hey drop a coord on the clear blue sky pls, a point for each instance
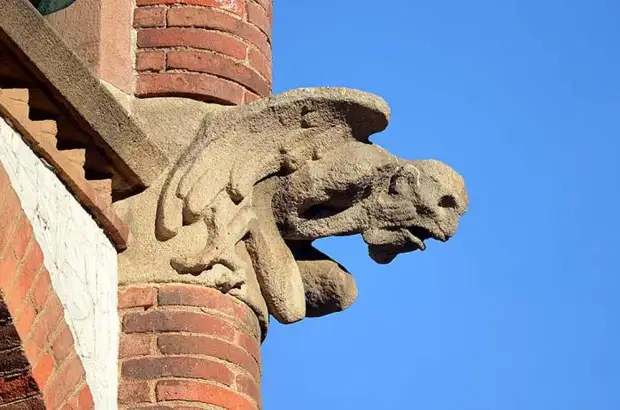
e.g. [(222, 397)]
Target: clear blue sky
[(520, 311)]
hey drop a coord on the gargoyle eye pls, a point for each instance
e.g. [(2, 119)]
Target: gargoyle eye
[(448, 201)]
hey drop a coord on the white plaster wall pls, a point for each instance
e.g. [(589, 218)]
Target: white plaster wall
[(79, 257)]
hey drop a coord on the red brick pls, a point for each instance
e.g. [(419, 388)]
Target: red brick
[(43, 370), (211, 63), (199, 296), (13, 362), (249, 97), (5, 314), (8, 268), (41, 289), (5, 186), (151, 61), (155, 368), (178, 321), (247, 385), (201, 345), (176, 406), (132, 393), (249, 343), (260, 63), (267, 5), (258, 16), (236, 6), (32, 403), (190, 37), (169, 390), (21, 237), (200, 86), (216, 20), (62, 343), (15, 388), (9, 338), (135, 345), (28, 271), (85, 398), (10, 214), (65, 381), (52, 311), (136, 297), (155, 2), (149, 17), (37, 341), (25, 320)]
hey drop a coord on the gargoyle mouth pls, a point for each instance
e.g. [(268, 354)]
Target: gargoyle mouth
[(387, 243), (417, 235)]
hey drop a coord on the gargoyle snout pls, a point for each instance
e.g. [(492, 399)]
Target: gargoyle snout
[(444, 197)]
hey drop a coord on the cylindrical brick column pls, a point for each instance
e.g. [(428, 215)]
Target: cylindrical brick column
[(211, 50), (184, 344)]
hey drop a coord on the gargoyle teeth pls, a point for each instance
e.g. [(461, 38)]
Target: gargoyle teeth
[(414, 239)]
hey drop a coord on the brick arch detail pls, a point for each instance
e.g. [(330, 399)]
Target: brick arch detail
[(39, 367)]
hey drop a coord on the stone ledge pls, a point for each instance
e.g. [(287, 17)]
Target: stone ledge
[(40, 48)]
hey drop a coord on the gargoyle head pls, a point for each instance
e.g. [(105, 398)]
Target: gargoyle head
[(424, 200), (362, 189)]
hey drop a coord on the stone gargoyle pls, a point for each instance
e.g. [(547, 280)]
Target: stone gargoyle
[(260, 182)]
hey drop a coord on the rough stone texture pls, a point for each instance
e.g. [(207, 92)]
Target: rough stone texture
[(80, 260), (241, 206), (32, 38)]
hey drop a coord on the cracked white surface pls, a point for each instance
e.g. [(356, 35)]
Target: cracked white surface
[(79, 257)]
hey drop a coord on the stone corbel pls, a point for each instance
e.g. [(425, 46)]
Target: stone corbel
[(240, 208)]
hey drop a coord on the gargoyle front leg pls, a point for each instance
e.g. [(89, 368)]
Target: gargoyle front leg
[(220, 248)]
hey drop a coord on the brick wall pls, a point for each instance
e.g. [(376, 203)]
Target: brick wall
[(79, 262), (212, 50), (184, 345), (38, 362)]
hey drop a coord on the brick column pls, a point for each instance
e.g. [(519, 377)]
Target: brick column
[(184, 344), (211, 50)]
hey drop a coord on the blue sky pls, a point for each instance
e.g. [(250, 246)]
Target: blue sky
[(521, 309)]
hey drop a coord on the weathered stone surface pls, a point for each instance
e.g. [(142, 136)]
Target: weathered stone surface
[(240, 208), (328, 287)]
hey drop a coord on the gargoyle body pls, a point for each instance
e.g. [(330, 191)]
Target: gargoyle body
[(268, 178)]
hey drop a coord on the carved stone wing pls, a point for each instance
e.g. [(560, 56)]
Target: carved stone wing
[(240, 147)]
